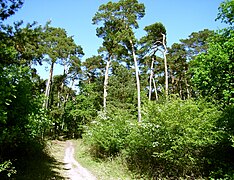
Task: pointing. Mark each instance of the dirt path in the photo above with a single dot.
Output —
(74, 170)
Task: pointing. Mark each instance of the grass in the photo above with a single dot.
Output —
(109, 169)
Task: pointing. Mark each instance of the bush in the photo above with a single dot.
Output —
(222, 157)
(22, 121)
(170, 141)
(176, 139)
(107, 134)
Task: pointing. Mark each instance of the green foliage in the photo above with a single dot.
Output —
(108, 132)
(226, 12)
(59, 46)
(21, 45)
(213, 71)
(153, 40)
(227, 120)
(197, 43)
(61, 49)
(6, 167)
(121, 88)
(22, 123)
(17, 96)
(221, 159)
(81, 110)
(175, 139)
(9, 7)
(39, 123)
(15, 86)
(119, 20)
(94, 68)
(172, 138)
(179, 57)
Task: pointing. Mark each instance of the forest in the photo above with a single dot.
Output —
(167, 111)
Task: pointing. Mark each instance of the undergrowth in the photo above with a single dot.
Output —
(176, 139)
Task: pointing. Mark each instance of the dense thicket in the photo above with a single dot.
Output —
(168, 111)
(177, 138)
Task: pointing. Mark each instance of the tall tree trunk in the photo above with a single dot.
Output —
(151, 77)
(58, 96)
(155, 89)
(68, 93)
(106, 83)
(165, 64)
(180, 88)
(48, 87)
(172, 82)
(137, 81)
(187, 88)
(62, 84)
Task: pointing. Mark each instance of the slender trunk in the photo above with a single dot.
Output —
(48, 86)
(58, 96)
(67, 96)
(180, 87)
(151, 77)
(106, 83)
(61, 90)
(176, 91)
(155, 89)
(187, 88)
(62, 85)
(165, 64)
(137, 81)
(172, 82)
(66, 99)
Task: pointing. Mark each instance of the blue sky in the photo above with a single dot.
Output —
(180, 17)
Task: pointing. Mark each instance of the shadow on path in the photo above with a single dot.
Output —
(39, 167)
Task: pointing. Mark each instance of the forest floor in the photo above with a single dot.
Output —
(63, 152)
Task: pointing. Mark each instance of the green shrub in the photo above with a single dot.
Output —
(176, 139)
(222, 157)
(107, 134)
(170, 141)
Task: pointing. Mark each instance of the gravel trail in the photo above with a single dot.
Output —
(74, 170)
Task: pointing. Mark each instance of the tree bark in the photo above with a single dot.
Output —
(172, 82)
(62, 84)
(180, 88)
(137, 81)
(106, 83)
(165, 64)
(68, 93)
(48, 87)
(155, 89)
(151, 77)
